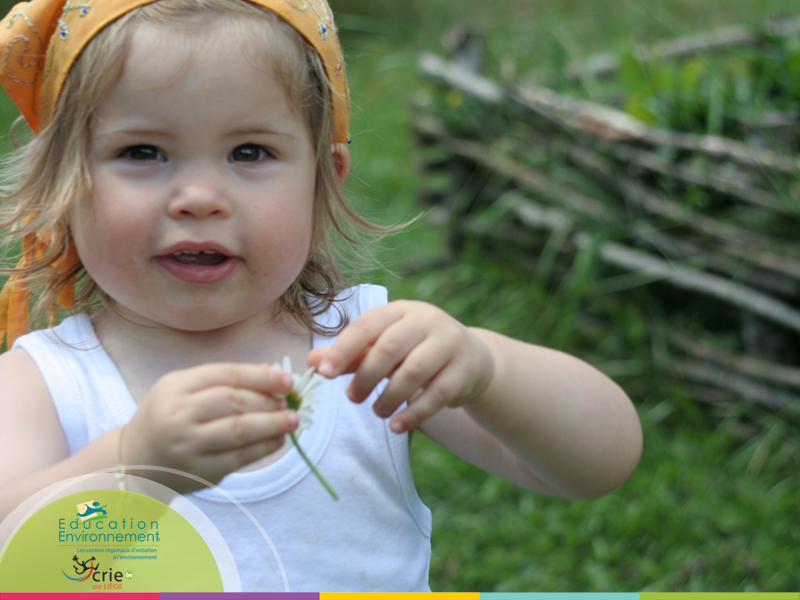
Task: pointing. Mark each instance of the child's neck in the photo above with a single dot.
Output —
(145, 353)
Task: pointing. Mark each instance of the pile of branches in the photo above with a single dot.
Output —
(696, 218)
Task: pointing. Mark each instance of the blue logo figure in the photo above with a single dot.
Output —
(93, 509)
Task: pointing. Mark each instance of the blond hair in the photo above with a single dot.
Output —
(43, 180)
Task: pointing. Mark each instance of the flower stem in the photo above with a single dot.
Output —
(313, 468)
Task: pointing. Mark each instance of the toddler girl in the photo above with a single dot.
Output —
(179, 197)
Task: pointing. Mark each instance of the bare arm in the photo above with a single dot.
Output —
(538, 417)
(33, 450)
(571, 431)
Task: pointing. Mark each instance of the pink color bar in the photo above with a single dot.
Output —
(76, 596)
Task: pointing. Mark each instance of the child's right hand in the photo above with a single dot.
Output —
(209, 421)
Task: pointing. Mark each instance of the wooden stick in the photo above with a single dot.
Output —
(710, 285)
(723, 184)
(642, 196)
(743, 387)
(769, 271)
(460, 78)
(710, 395)
(746, 365)
(611, 125)
(710, 374)
(590, 118)
(743, 245)
(529, 178)
(606, 65)
(656, 269)
(721, 262)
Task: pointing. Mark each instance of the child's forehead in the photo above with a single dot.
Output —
(165, 77)
(207, 37)
(160, 53)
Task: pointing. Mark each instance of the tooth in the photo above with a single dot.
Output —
(209, 252)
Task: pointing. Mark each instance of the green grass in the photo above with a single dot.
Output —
(690, 519)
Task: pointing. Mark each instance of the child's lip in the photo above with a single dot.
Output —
(195, 247)
(198, 274)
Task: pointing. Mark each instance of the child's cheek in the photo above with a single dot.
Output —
(285, 232)
(109, 243)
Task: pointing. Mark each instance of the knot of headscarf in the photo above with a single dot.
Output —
(15, 299)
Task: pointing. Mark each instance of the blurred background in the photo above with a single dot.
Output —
(715, 501)
(638, 211)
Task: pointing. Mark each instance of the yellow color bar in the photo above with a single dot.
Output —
(400, 596)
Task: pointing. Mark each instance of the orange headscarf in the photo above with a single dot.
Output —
(42, 39)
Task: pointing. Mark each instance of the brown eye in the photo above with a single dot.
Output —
(248, 153)
(144, 152)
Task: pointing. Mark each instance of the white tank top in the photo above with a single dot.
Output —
(375, 538)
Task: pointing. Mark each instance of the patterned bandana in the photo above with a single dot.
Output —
(41, 40)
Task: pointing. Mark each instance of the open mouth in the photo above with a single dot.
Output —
(205, 266)
(202, 258)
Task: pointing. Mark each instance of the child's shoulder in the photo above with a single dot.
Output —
(352, 302)
(28, 418)
(24, 390)
(364, 297)
(20, 378)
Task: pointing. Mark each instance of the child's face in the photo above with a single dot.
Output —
(196, 150)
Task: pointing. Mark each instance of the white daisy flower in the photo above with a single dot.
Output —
(299, 399)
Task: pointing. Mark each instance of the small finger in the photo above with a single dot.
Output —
(356, 338)
(238, 431)
(218, 402)
(259, 378)
(419, 368)
(437, 395)
(317, 356)
(391, 351)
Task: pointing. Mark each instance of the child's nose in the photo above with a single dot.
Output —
(200, 201)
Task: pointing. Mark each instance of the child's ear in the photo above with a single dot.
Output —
(341, 160)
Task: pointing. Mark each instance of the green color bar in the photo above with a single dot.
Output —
(721, 596)
(534, 596)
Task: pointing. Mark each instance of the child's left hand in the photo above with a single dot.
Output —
(431, 360)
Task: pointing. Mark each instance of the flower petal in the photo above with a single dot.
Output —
(305, 379)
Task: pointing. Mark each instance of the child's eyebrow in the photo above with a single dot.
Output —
(133, 133)
(245, 131)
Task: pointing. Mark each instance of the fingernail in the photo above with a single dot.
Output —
(286, 380)
(396, 426)
(282, 404)
(326, 369)
(352, 395)
(291, 420)
(381, 411)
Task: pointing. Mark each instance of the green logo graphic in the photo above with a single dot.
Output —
(99, 547)
(91, 510)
